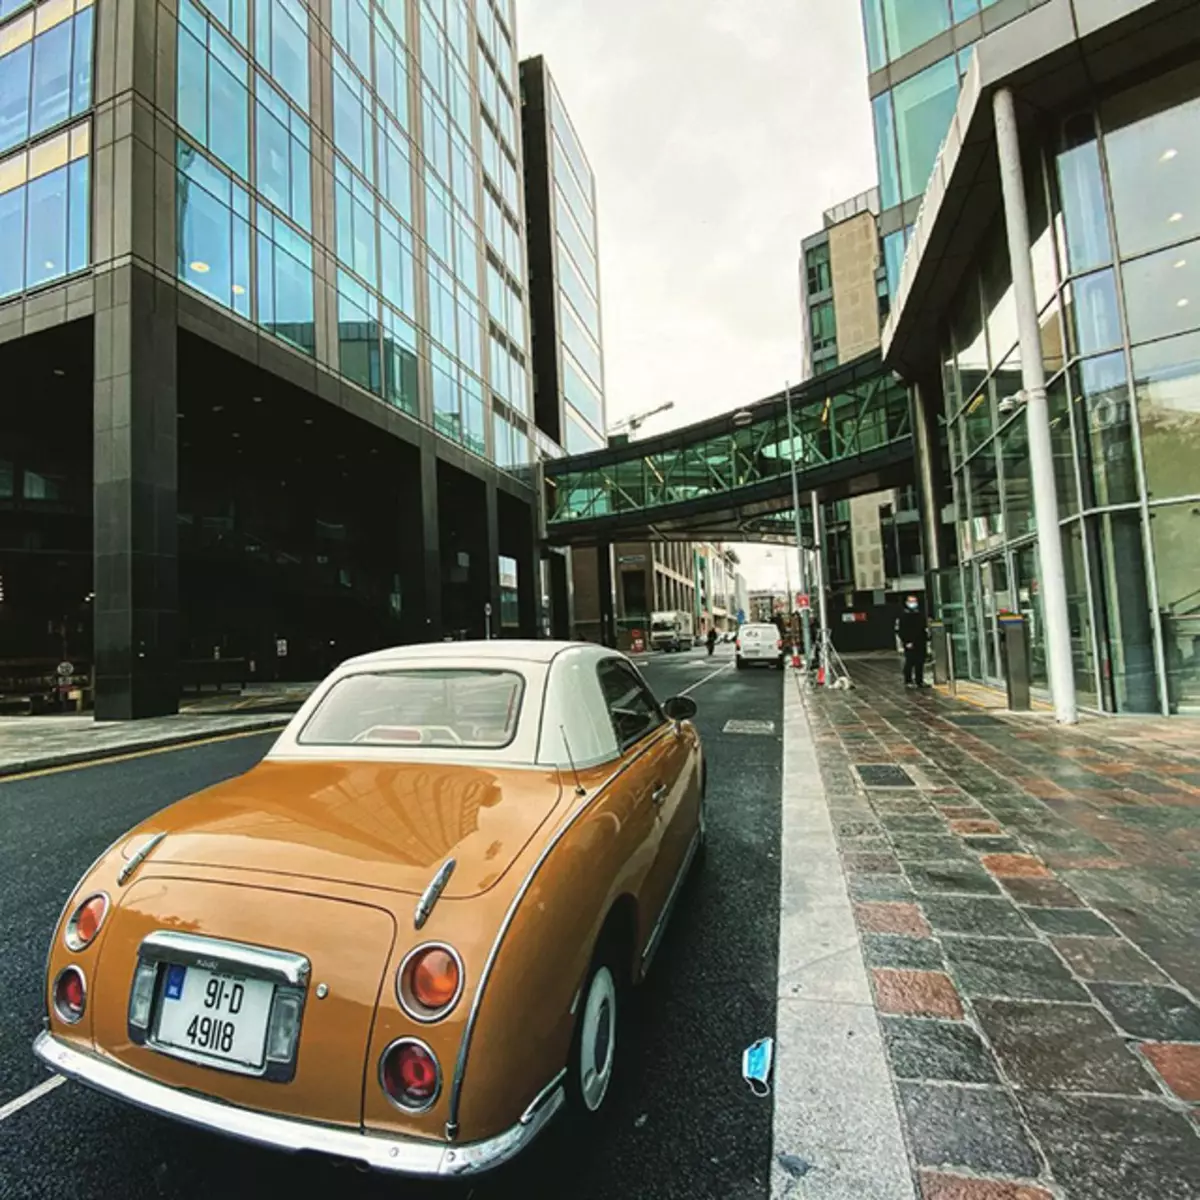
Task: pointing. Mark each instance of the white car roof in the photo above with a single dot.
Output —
(563, 718)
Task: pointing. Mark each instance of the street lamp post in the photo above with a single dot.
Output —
(805, 614)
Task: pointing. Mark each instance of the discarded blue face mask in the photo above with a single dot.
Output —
(756, 1066)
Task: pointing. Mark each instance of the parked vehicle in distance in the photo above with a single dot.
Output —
(403, 939)
(671, 631)
(759, 644)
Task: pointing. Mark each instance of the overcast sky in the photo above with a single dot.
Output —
(719, 131)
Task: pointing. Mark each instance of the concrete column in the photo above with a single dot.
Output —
(431, 547)
(1033, 379)
(135, 544)
(925, 443)
(604, 579)
(492, 561)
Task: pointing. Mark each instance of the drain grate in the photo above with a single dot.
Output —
(759, 727)
(882, 775)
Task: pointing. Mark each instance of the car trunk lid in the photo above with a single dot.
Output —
(381, 825)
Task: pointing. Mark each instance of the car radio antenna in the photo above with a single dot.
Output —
(580, 790)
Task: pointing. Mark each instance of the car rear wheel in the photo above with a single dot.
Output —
(594, 1047)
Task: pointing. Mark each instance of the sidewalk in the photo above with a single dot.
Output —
(36, 743)
(1027, 899)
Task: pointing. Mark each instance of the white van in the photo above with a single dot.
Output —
(759, 644)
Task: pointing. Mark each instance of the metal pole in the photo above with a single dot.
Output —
(805, 614)
(819, 559)
(1033, 382)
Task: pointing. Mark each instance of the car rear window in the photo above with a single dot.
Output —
(469, 708)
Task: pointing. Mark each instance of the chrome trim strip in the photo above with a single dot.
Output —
(582, 806)
(165, 945)
(542, 1097)
(430, 1018)
(410, 1109)
(433, 892)
(138, 857)
(660, 926)
(392, 1154)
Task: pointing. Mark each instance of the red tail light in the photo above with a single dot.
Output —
(70, 994)
(410, 1075)
(85, 922)
(779, 644)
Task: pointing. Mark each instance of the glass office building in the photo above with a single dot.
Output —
(568, 350)
(917, 54)
(329, 196)
(1112, 176)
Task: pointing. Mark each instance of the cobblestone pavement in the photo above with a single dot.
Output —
(1029, 903)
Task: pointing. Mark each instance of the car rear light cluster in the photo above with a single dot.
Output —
(70, 994)
(429, 982)
(85, 922)
(410, 1075)
(284, 1027)
(779, 644)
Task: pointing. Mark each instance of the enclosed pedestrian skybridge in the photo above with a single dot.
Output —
(729, 478)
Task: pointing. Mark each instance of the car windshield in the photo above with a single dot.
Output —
(476, 709)
(663, 624)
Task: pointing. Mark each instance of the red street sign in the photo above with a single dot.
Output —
(802, 600)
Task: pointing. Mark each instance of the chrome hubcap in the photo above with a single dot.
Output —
(597, 1043)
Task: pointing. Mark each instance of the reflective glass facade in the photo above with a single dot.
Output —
(411, 187)
(46, 54)
(1116, 235)
(913, 100)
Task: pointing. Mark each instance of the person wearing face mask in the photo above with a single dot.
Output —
(910, 629)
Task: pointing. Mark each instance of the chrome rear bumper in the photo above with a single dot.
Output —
(398, 1155)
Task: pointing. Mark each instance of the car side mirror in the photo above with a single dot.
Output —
(680, 708)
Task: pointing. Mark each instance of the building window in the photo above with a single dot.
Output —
(893, 257)
(395, 169)
(872, 15)
(400, 370)
(397, 264)
(352, 124)
(911, 23)
(884, 120)
(355, 205)
(285, 281)
(1154, 163)
(44, 211)
(1167, 379)
(352, 32)
(282, 162)
(580, 438)
(924, 107)
(1081, 187)
(823, 325)
(213, 222)
(579, 392)
(212, 100)
(820, 275)
(281, 45)
(358, 334)
(391, 71)
(581, 346)
(1162, 293)
(47, 79)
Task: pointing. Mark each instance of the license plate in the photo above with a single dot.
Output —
(213, 1015)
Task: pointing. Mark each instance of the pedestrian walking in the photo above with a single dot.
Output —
(913, 634)
(711, 640)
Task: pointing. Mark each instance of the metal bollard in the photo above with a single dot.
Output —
(1015, 633)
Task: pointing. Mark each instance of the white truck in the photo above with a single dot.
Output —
(671, 631)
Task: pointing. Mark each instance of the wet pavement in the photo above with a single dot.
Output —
(1028, 898)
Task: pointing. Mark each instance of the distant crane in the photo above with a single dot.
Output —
(630, 425)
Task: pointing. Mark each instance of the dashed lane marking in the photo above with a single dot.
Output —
(35, 1093)
(702, 682)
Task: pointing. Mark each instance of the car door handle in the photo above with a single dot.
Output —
(659, 796)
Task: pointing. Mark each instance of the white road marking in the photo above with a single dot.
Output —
(702, 682)
(35, 1093)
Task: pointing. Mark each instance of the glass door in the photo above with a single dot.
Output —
(1028, 597)
(996, 597)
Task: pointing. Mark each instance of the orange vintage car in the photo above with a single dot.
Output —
(402, 938)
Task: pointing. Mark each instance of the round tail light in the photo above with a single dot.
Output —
(70, 994)
(429, 982)
(410, 1075)
(85, 922)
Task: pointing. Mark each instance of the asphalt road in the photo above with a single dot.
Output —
(682, 1123)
